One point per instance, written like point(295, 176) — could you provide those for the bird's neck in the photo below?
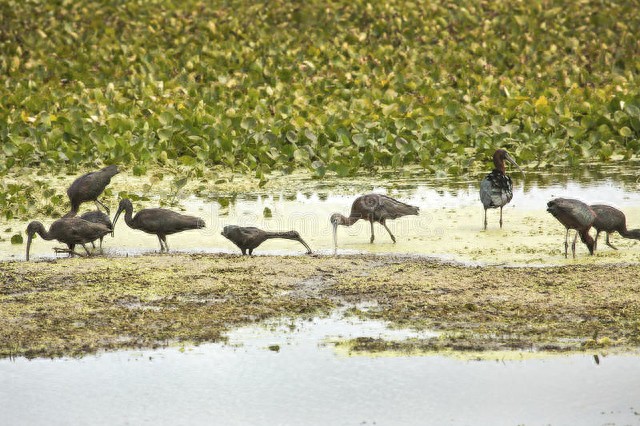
point(499, 166)
point(44, 234)
point(128, 217)
point(348, 221)
point(285, 235)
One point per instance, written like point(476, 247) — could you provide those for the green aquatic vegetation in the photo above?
point(334, 87)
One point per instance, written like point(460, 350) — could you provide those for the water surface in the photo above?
point(291, 374)
point(449, 225)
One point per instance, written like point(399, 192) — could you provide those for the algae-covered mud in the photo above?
point(79, 306)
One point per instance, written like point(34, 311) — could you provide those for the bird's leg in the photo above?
point(93, 246)
point(244, 251)
point(384, 223)
point(595, 241)
point(485, 219)
point(163, 243)
point(566, 244)
point(86, 249)
point(500, 217)
point(372, 235)
point(250, 252)
point(608, 243)
point(71, 252)
point(101, 238)
point(99, 203)
point(573, 245)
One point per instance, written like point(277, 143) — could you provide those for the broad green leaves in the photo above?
point(331, 87)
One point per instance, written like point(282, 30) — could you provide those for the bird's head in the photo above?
point(111, 170)
point(499, 158)
point(337, 219)
point(227, 230)
point(33, 228)
point(124, 205)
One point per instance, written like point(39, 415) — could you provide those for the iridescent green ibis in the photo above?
point(374, 208)
point(67, 230)
point(609, 220)
point(160, 222)
point(249, 237)
point(88, 187)
point(96, 216)
point(496, 189)
point(574, 214)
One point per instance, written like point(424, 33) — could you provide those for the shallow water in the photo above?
point(303, 379)
point(449, 225)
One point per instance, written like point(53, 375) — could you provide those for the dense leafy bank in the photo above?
point(329, 86)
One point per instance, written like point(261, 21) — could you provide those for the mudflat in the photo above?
point(72, 307)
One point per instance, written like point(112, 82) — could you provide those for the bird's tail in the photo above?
point(407, 209)
point(631, 233)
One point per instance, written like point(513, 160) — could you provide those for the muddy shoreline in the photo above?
point(73, 307)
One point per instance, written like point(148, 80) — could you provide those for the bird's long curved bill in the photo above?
point(29, 238)
point(115, 219)
point(306, 245)
point(510, 159)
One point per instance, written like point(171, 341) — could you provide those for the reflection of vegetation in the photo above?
point(331, 87)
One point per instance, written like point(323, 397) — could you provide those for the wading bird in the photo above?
point(574, 214)
point(248, 237)
point(88, 187)
point(496, 189)
point(374, 208)
point(161, 222)
point(67, 230)
point(96, 216)
point(609, 220)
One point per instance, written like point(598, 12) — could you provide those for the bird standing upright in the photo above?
point(574, 214)
point(96, 216)
point(496, 189)
point(609, 220)
point(374, 208)
point(88, 187)
point(161, 222)
point(67, 230)
point(249, 237)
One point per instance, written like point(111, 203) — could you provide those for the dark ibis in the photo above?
point(609, 220)
point(249, 237)
point(88, 187)
point(96, 216)
point(574, 214)
point(496, 189)
point(160, 222)
point(374, 208)
point(69, 231)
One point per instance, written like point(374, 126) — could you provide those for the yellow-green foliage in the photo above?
point(329, 86)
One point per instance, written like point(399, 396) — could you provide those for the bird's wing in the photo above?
point(389, 208)
point(571, 211)
point(77, 231)
point(496, 190)
point(156, 221)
